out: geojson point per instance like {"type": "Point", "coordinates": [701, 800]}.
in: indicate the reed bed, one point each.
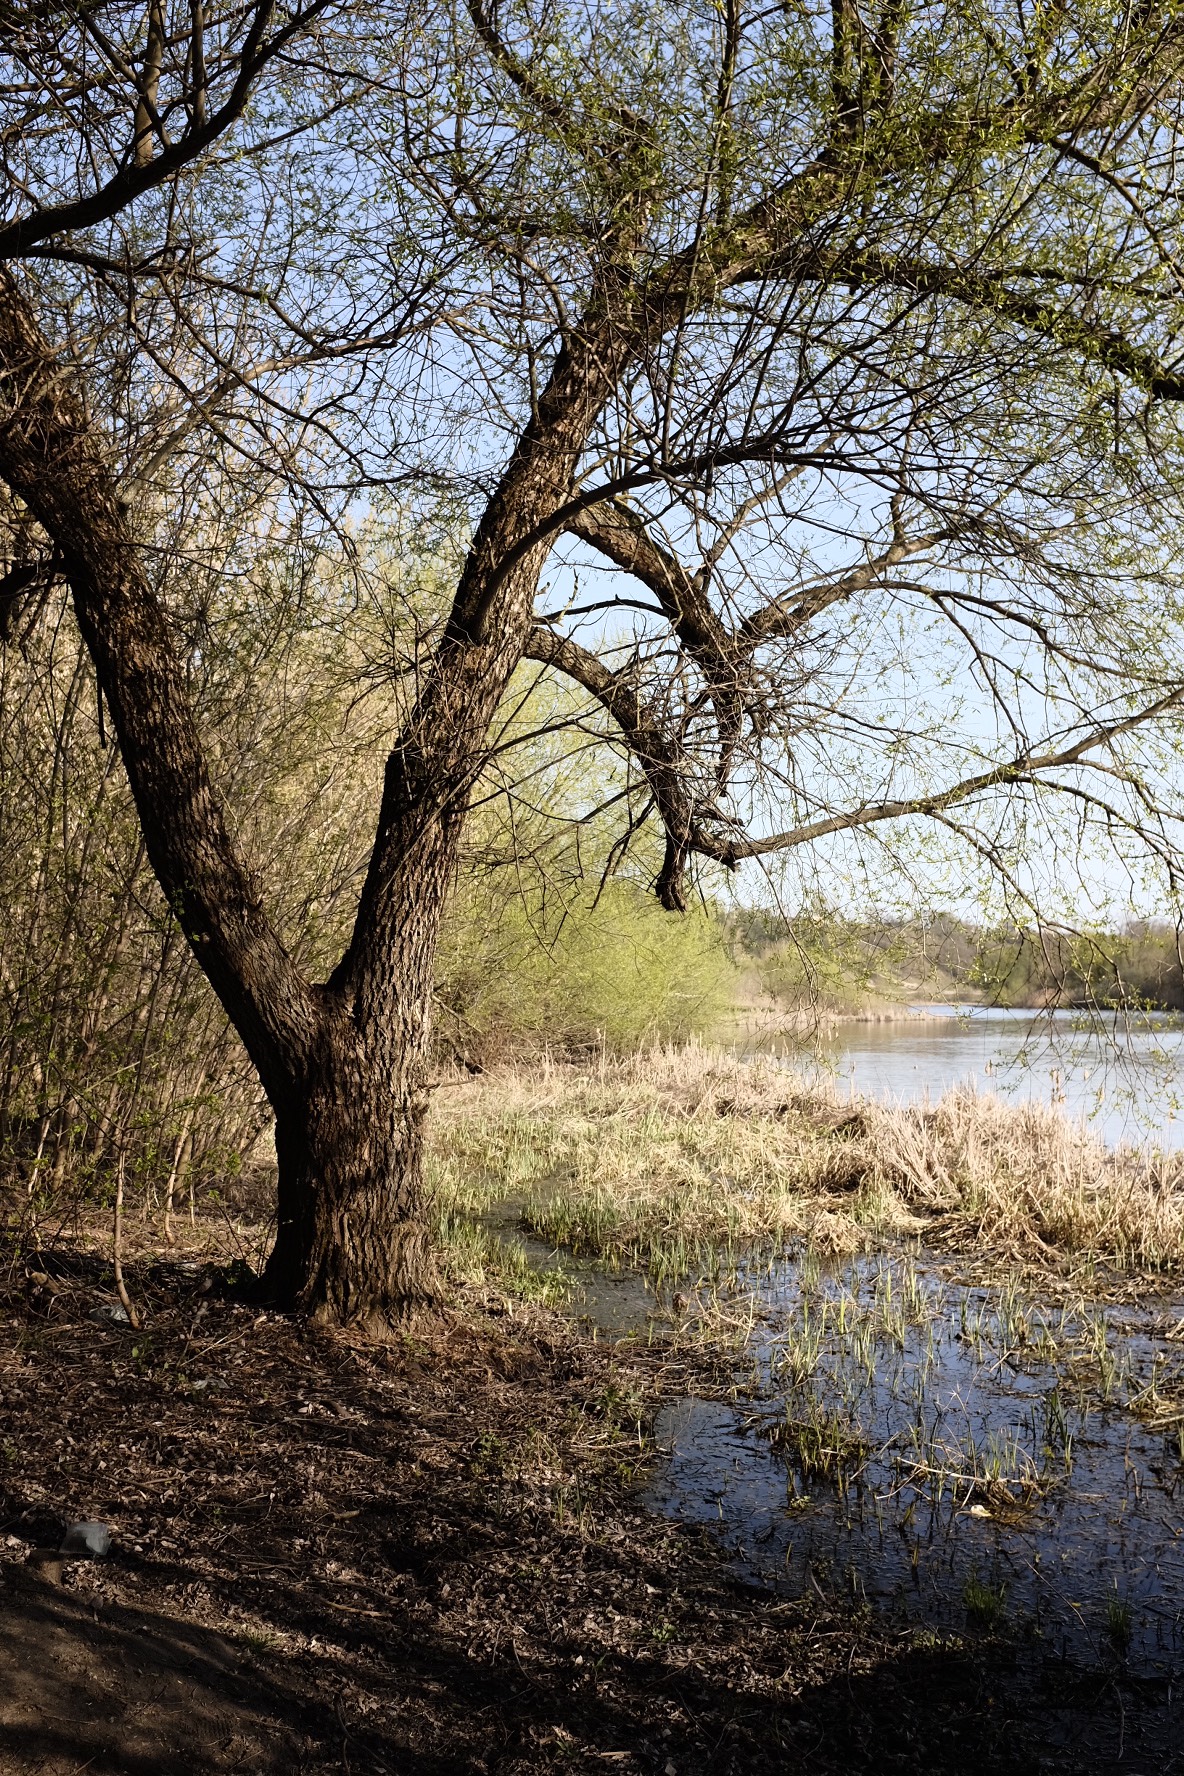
{"type": "Point", "coordinates": [684, 1159]}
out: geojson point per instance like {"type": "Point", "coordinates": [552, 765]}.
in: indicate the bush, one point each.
{"type": "Point", "coordinates": [609, 970]}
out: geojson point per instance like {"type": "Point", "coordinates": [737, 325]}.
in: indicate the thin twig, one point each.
{"type": "Point", "coordinates": [117, 1248]}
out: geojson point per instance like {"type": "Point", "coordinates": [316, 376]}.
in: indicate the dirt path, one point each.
{"type": "Point", "coordinates": [429, 1558]}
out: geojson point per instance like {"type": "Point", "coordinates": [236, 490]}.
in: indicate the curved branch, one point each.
{"type": "Point", "coordinates": [683, 817]}
{"type": "Point", "coordinates": [50, 460]}
{"type": "Point", "coordinates": [642, 732]}
{"type": "Point", "coordinates": [621, 536]}
{"type": "Point", "coordinates": [786, 614]}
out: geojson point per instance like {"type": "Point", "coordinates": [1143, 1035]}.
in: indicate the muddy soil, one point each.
{"type": "Point", "coordinates": [431, 1557]}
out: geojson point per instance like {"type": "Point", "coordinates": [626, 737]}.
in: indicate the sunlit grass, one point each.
{"type": "Point", "coordinates": [475, 1255]}
{"type": "Point", "coordinates": [683, 1162]}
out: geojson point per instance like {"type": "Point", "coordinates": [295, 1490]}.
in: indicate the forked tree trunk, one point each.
{"type": "Point", "coordinates": [342, 1063]}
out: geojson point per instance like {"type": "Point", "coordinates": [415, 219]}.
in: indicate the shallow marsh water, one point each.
{"type": "Point", "coordinates": [614, 1304]}
{"type": "Point", "coordinates": [950, 1455]}
{"type": "Point", "coordinates": [952, 1458]}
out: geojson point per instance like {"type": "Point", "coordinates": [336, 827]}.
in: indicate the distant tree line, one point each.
{"type": "Point", "coordinates": [1135, 968]}
{"type": "Point", "coordinates": [843, 964]}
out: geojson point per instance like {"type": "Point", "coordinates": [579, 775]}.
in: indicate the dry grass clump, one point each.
{"type": "Point", "coordinates": [661, 1159]}
{"type": "Point", "coordinates": [678, 1159]}
{"type": "Point", "coordinates": [1027, 1177]}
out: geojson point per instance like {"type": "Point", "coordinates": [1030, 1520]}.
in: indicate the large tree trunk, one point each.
{"type": "Point", "coordinates": [351, 1245]}
{"type": "Point", "coordinates": [343, 1063]}
{"type": "Point", "coordinates": [350, 1240]}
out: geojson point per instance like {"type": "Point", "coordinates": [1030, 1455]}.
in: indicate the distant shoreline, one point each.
{"type": "Point", "coordinates": [769, 1021]}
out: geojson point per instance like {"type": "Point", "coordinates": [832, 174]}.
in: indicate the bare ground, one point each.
{"type": "Point", "coordinates": [431, 1557]}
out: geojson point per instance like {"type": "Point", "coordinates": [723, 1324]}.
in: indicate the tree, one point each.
{"type": "Point", "coordinates": [798, 325]}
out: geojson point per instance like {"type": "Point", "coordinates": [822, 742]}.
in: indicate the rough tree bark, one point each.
{"type": "Point", "coordinates": [351, 1242]}
{"type": "Point", "coordinates": [343, 1062]}
{"type": "Point", "coordinates": [351, 1237]}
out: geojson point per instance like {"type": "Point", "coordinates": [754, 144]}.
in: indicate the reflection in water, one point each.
{"type": "Point", "coordinates": [1126, 1076]}
{"type": "Point", "coordinates": [953, 1457]}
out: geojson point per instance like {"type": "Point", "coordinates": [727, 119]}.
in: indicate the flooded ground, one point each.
{"type": "Point", "coordinates": [903, 1438]}
{"type": "Point", "coordinates": [953, 1457]}
{"type": "Point", "coordinates": [610, 1304]}
{"type": "Point", "coordinates": [949, 1455]}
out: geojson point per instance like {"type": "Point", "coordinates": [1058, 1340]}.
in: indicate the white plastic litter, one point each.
{"type": "Point", "coordinates": [87, 1538]}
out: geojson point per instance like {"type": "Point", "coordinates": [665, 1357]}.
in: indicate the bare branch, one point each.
{"type": "Point", "coordinates": [132, 180]}
{"type": "Point", "coordinates": [1025, 768]}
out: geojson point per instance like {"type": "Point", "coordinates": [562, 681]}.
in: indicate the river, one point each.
{"type": "Point", "coordinates": [1125, 1077]}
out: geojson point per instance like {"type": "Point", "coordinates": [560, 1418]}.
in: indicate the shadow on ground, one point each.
{"type": "Point", "coordinates": [430, 1559]}
{"type": "Point", "coordinates": [112, 1688]}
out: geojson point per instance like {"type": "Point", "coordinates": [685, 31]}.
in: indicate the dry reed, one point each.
{"type": "Point", "coordinates": [671, 1157]}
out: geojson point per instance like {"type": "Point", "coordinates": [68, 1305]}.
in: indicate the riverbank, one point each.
{"type": "Point", "coordinates": [429, 1558]}
{"type": "Point", "coordinates": [755, 1029]}
{"type": "Point", "coordinates": [954, 1331]}
{"type": "Point", "coordinates": [484, 1548]}
{"type": "Point", "coordinates": [678, 1162]}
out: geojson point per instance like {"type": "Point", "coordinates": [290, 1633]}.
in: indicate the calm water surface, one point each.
{"type": "Point", "coordinates": [952, 1456]}
{"type": "Point", "coordinates": [1125, 1077]}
